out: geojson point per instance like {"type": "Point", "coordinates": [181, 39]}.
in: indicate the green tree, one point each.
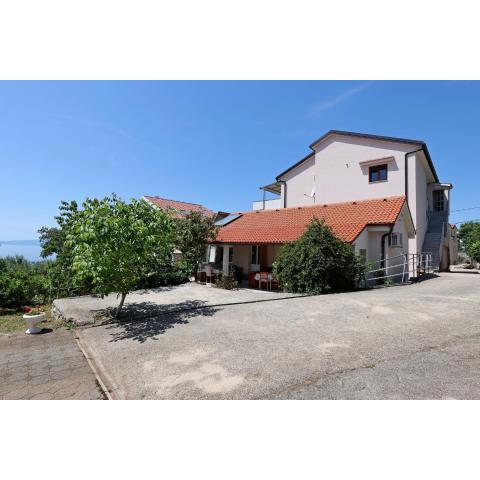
{"type": "Point", "coordinates": [318, 262]}
{"type": "Point", "coordinates": [473, 251]}
{"type": "Point", "coordinates": [468, 234]}
{"type": "Point", "coordinates": [115, 244]}
{"type": "Point", "coordinates": [54, 242]}
{"type": "Point", "coordinates": [193, 234]}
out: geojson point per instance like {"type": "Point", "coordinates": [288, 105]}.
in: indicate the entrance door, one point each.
{"type": "Point", "coordinates": [263, 260]}
{"type": "Point", "coordinates": [438, 200]}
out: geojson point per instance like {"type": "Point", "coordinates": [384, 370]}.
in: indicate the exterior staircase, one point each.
{"type": "Point", "coordinates": [433, 237]}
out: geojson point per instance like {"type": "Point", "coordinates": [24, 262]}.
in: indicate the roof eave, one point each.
{"type": "Point", "coordinates": [429, 160]}
{"type": "Point", "coordinates": [389, 224]}
{"type": "Point", "coordinates": [273, 188]}
{"type": "Point", "coordinates": [304, 159]}
{"type": "Point", "coordinates": [367, 135]}
{"type": "Point", "coordinates": [406, 206]}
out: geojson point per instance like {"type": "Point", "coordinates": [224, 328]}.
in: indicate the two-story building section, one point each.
{"type": "Point", "coordinates": [383, 191]}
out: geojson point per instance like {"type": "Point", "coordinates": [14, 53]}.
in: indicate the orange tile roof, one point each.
{"type": "Point", "coordinates": [179, 209]}
{"type": "Point", "coordinates": [347, 220]}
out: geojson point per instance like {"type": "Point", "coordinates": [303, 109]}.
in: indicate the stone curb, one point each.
{"type": "Point", "coordinates": [102, 378]}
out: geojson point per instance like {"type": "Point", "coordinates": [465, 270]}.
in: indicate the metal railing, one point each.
{"type": "Point", "coordinates": [405, 268]}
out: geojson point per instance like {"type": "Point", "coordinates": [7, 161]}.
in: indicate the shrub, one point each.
{"type": "Point", "coordinates": [23, 282]}
{"type": "Point", "coordinates": [318, 262]}
{"type": "Point", "coordinates": [15, 289]}
{"type": "Point", "coordinates": [228, 282]}
{"type": "Point", "coordinates": [474, 251]}
{"type": "Point", "coordinates": [237, 272]}
{"type": "Point", "coordinates": [164, 275]}
{"type": "Point", "coordinates": [469, 234]}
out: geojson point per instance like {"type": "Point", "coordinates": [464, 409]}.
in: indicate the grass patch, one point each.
{"type": "Point", "coordinates": [11, 320]}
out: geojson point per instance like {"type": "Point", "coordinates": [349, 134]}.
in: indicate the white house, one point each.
{"type": "Point", "coordinates": [351, 173]}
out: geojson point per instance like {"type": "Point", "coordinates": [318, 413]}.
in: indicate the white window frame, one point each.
{"type": "Point", "coordinates": [396, 240]}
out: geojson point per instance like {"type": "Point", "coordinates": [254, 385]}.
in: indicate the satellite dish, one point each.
{"type": "Point", "coordinates": [312, 193]}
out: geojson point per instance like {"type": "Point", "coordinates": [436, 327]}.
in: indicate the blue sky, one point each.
{"type": "Point", "coordinates": [213, 143]}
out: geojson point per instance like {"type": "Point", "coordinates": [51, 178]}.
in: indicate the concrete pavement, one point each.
{"type": "Point", "coordinates": [418, 341]}
{"type": "Point", "coordinates": [155, 301]}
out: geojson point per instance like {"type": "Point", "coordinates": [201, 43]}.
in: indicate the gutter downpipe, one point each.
{"type": "Point", "coordinates": [382, 263]}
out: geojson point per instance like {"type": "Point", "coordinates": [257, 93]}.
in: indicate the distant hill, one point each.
{"type": "Point", "coordinates": [19, 242]}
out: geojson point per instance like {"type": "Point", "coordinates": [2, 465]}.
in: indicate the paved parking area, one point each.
{"type": "Point", "coordinates": [48, 366]}
{"type": "Point", "coordinates": [407, 342]}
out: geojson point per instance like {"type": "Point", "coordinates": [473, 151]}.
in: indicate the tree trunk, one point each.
{"type": "Point", "coordinates": [121, 305]}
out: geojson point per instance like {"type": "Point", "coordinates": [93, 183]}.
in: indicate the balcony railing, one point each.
{"type": "Point", "coordinates": [271, 204]}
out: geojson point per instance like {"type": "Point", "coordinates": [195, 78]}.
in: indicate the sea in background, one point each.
{"type": "Point", "coordinates": [30, 249]}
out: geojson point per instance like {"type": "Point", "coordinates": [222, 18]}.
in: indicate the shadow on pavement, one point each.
{"type": "Point", "coordinates": [44, 330]}
{"type": "Point", "coordinates": [141, 321]}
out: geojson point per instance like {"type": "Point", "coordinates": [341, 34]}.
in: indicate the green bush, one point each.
{"type": "Point", "coordinates": [23, 282]}
{"type": "Point", "coordinates": [165, 275]}
{"type": "Point", "coordinates": [474, 251]}
{"type": "Point", "coordinates": [228, 282]}
{"type": "Point", "coordinates": [318, 262]}
{"type": "Point", "coordinates": [15, 289]}
{"type": "Point", "coordinates": [469, 234]}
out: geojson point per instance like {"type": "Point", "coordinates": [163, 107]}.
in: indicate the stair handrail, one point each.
{"type": "Point", "coordinates": [415, 265]}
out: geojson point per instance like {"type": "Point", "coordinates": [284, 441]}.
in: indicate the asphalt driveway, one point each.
{"type": "Point", "coordinates": [408, 342]}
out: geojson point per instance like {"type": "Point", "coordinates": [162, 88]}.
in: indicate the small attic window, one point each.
{"type": "Point", "coordinates": [396, 240]}
{"type": "Point", "coordinates": [378, 173]}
